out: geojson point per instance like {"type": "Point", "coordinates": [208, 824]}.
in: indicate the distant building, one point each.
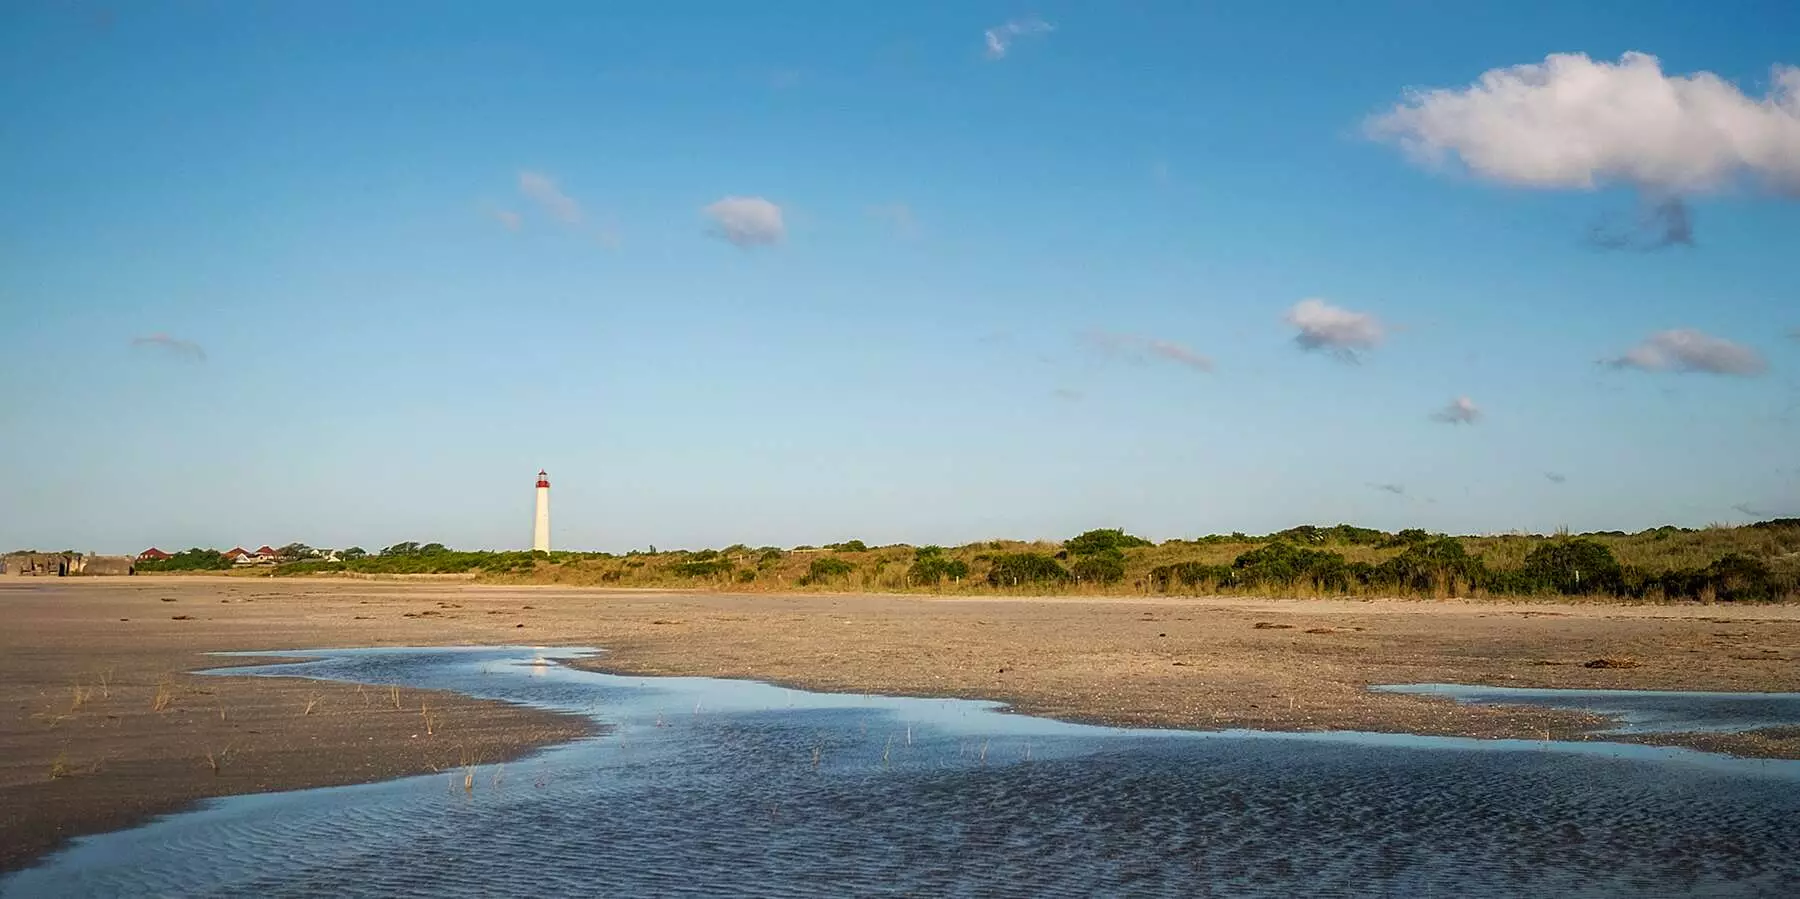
{"type": "Point", "coordinates": [264, 555]}
{"type": "Point", "coordinates": [108, 565]}
{"type": "Point", "coordinates": [36, 564]}
{"type": "Point", "coordinates": [154, 555]}
{"type": "Point", "coordinates": [66, 564]}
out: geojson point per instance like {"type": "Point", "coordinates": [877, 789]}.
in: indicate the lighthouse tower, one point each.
{"type": "Point", "coordinates": [540, 529]}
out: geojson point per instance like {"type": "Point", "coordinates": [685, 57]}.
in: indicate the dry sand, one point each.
{"type": "Point", "coordinates": [86, 663]}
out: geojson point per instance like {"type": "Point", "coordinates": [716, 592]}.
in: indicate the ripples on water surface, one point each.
{"type": "Point", "coordinates": [707, 787]}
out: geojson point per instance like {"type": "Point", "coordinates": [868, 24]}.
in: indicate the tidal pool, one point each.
{"type": "Point", "coordinates": [1636, 711]}
{"type": "Point", "coordinates": [706, 787]}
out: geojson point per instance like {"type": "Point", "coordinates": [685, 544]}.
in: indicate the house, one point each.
{"type": "Point", "coordinates": [263, 555]}
{"type": "Point", "coordinates": [153, 555]}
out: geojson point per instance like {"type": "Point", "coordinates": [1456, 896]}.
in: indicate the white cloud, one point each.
{"type": "Point", "coordinates": [509, 219]}
{"type": "Point", "coordinates": [1459, 411]}
{"type": "Point", "coordinates": [1175, 352]}
{"type": "Point", "coordinates": [1323, 326]}
{"type": "Point", "coordinates": [1686, 350]}
{"type": "Point", "coordinates": [1571, 122]}
{"type": "Point", "coordinates": [747, 221]}
{"type": "Point", "coordinates": [1135, 347]}
{"type": "Point", "coordinates": [1000, 38]}
{"type": "Point", "coordinates": [173, 345]}
{"type": "Point", "coordinates": [542, 189]}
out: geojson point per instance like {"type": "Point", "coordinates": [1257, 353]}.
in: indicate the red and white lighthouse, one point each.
{"type": "Point", "coordinates": [540, 529]}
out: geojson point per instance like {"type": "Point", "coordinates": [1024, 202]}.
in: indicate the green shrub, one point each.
{"type": "Point", "coordinates": [1189, 574]}
{"type": "Point", "coordinates": [849, 546]}
{"type": "Point", "coordinates": [1019, 569]}
{"type": "Point", "coordinates": [826, 569]}
{"type": "Point", "coordinates": [746, 576]}
{"type": "Point", "coordinates": [709, 567]}
{"type": "Point", "coordinates": [1284, 563]}
{"type": "Point", "coordinates": [1573, 565]}
{"type": "Point", "coordinates": [1429, 564]}
{"type": "Point", "coordinates": [1101, 568]}
{"type": "Point", "coordinates": [934, 568]}
{"type": "Point", "coordinates": [1103, 540]}
{"type": "Point", "coordinates": [195, 559]}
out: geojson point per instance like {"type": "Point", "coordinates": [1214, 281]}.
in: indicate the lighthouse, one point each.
{"type": "Point", "coordinates": [540, 528]}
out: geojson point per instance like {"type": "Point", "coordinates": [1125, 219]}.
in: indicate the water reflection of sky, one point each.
{"type": "Point", "coordinates": [1637, 711]}
{"type": "Point", "coordinates": [713, 787]}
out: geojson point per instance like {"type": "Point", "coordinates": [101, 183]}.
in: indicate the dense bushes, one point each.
{"type": "Point", "coordinates": [1282, 562]}
{"type": "Point", "coordinates": [1102, 540]}
{"type": "Point", "coordinates": [1024, 569]}
{"type": "Point", "coordinates": [825, 569]}
{"type": "Point", "coordinates": [1100, 555]}
{"type": "Point", "coordinates": [931, 567]}
{"type": "Point", "coordinates": [195, 559]}
{"type": "Point", "coordinates": [1435, 564]}
{"type": "Point", "coordinates": [1103, 568]}
{"type": "Point", "coordinates": [712, 566]}
{"type": "Point", "coordinates": [1430, 564]}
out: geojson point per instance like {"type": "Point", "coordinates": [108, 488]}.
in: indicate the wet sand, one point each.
{"type": "Point", "coordinates": [93, 686]}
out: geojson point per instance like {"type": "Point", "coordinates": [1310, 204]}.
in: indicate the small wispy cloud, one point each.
{"type": "Point", "coordinates": [898, 216]}
{"type": "Point", "coordinates": [1395, 489]}
{"type": "Point", "coordinates": [1752, 512]}
{"type": "Point", "coordinates": [172, 345]}
{"type": "Point", "coordinates": [1459, 411]}
{"type": "Point", "coordinates": [543, 190]}
{"type": "Point", "coordinates": [1136, 347]}
{"type": "Point", "coordinates": [1000, 38]}
{"type": "Point", "coordinates": [1794, 333]}
{"type": "Point", "coordinates": [1687, 351]}
{"type": "Point", "coordinates": [1555, 478]}
{"type": "Point", "coordinates": [509, 219]}
{"type": "Point", "coordinates": [1327, 328]}
{"type": "Point", "coordinates": [1668, 223]}
{"type": "Point", "coordinates": [1067, 394]}
{"type": "Point", "coordinates": [746, 221]}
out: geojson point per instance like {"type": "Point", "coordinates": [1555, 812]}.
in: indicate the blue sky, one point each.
{"type": "Point", "coordinates": [352, 273]}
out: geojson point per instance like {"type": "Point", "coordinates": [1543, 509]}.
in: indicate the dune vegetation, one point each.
{"type": "Point", "coordinates": [1752, 563]}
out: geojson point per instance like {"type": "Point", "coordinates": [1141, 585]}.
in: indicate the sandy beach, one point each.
{"type": "Point", "coordinates": [102, 725]}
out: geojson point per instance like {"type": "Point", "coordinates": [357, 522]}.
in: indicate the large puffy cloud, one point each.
{"type": "Point", "coordinates": [1323, 326]}
{"type": "Point", "coordinates": [542, 189]}
{"type": "Point", "coordinates": [1686, 350]}
{"type": "Point", "coordinates": [1571, 122]}
{"type": "Point", "coordinates": [747, 221]}
{"type": "Point", "coordinates": [1000, 38]}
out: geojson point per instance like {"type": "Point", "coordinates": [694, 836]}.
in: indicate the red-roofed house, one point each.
{"type": "Point", "coordinates": [236, 553]}
{"type": "Point", "coordinates": [152, 555]}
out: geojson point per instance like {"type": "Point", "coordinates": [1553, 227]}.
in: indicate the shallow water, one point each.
{"type": "Point", "coordinates": [708, 787]}
{"type": "Point", "coordinates": [1636, 711]}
